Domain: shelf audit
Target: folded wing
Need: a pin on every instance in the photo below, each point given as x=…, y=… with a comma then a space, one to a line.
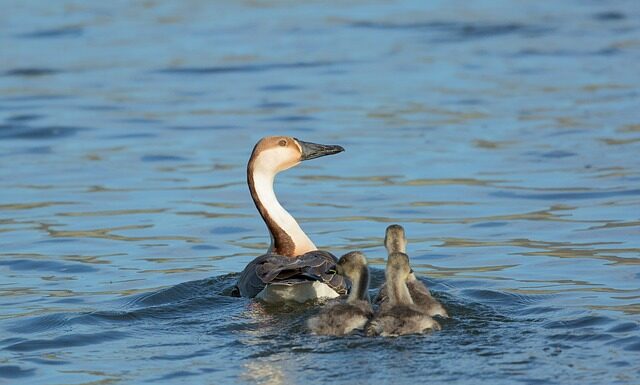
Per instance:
x=274, y=269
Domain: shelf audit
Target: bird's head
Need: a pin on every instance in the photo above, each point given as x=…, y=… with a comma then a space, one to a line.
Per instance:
x=278, y=153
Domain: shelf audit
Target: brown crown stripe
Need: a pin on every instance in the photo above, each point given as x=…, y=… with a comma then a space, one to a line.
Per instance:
x=282, y=242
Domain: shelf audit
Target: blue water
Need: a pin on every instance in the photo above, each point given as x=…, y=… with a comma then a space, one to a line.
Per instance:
x=503, y=135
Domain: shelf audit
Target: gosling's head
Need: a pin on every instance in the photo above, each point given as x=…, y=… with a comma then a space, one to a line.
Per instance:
x=351, y=264
x=398, y=267
x=277, y=153
x=395, y=240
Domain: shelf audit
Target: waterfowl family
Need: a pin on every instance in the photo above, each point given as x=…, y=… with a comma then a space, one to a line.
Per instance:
x=293, y=268
x=398, y=315
x=344, y=316
x=395, y=241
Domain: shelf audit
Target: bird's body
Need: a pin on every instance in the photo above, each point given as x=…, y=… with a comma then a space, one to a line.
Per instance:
x=395, y=241
x=422, y=298
x=275, y=278
x=399, y=320
x=342, y=316
x=398, y=315
x=293, y=268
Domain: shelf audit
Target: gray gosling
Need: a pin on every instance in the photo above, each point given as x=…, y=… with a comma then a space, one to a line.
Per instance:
x=396, y=241
x=398, y=315
x=341, y=317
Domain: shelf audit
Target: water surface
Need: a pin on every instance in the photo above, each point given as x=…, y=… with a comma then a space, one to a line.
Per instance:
x=504, y=136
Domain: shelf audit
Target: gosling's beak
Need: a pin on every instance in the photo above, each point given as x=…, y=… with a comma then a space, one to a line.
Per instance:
x=314, y=150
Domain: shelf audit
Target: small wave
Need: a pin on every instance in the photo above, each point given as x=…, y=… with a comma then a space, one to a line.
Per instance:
x=609, y=16
x=31, y=72
x=54, y=266
x=274, y=105
x=280, y=87
x=162, y=158
x=624, y=327
x=49, y=322
x=171, y=303
x=501, y=298
x=630, y=343
x=66, y=341
x=15, y=371
x=262, y=67
x=450, y=31
x=64, y=31
x=204, y=128
x=180, y=374
x=217, y=286
x=581, y=337
x=564, y=196
x=289, y=118
x=582, y=322
x=24, y=118
x=21, y=131
x=179, y=357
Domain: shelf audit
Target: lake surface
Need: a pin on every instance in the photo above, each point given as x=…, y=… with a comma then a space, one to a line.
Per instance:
x=504, y=136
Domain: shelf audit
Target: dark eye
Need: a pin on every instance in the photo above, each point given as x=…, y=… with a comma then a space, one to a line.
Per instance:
x=282, y=142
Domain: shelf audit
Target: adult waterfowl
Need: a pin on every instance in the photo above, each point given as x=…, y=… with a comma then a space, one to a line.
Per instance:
x=293, y=268
x=395, y=241
x=344, y=316
x=398, y=315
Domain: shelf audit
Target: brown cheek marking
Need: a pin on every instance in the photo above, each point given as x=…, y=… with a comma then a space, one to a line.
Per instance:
x=282, y=242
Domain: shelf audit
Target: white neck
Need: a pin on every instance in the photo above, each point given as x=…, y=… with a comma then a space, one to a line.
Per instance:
x=265, y=196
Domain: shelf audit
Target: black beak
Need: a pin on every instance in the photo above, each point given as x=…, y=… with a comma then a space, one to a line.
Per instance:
x=314, y=150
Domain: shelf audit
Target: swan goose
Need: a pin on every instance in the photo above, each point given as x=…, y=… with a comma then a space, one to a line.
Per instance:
x=293, y=269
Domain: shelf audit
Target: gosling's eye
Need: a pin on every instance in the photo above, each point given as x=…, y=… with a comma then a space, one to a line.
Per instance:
x=410, y=271
x=282, y=142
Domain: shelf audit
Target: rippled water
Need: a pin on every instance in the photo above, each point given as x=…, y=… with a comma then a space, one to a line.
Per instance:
x=503, y=135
